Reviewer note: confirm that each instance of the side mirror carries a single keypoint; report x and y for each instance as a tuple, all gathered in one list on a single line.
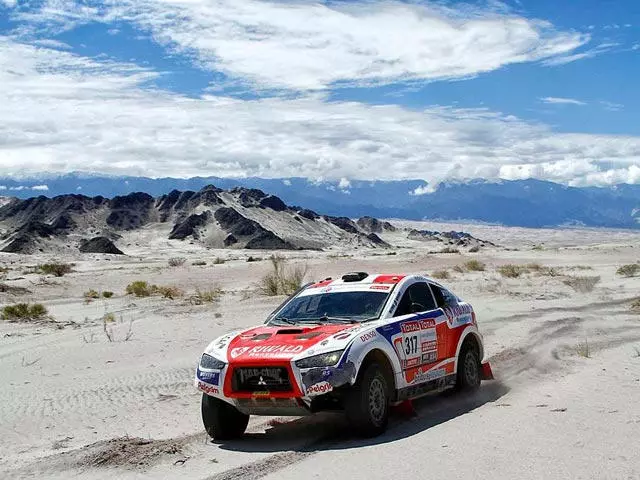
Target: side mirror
[(417, 307)]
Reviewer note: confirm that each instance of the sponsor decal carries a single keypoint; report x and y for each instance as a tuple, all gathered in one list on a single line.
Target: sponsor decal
[(266, 350), (319, 388), (208, 389), (429, 357), (430, 375), (261, 394), (236, 352), (379, 287), (261, 373), (457, 311), (324, 343), (209, 377), (368, 336), (342, 335), (417, 325)]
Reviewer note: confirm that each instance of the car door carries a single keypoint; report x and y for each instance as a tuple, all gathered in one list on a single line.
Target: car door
[(458, 315), (417, 344)]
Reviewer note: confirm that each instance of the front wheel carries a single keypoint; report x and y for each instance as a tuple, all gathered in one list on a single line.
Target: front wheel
[(221, 420), (468, 375), (367, 402)]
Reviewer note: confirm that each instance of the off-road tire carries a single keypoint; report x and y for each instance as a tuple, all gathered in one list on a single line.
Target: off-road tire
[(221, 420), (468, 375), (367, 402)]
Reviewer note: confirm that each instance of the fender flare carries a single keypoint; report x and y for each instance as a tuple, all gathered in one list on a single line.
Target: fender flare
[(470, 330), (358, 353)]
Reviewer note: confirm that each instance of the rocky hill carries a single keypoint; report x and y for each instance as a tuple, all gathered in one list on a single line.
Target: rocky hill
[(216, 218)]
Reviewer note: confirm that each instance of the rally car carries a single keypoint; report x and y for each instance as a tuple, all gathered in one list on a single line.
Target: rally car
[(361, 343)]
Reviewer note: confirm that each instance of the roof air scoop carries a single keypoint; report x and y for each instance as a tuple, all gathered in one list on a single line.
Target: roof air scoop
[(354, 276)]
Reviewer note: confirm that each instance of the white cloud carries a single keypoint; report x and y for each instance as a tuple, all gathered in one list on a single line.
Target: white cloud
[(3, 187), (562, 101), (287, 182), (344, 184), (60, 112), (42, 188), (569, 58), (302, 45), (8, 3), (422, 190), (611, 106)]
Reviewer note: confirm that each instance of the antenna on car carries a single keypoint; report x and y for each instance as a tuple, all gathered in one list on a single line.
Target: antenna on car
[(354, 276)]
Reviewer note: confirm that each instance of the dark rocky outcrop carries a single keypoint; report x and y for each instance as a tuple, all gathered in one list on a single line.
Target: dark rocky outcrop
[(189, 226), (376, 240), (267, 240), (231, 221), (99, 245), (373, 225), (344, 223), (308, 214), (274, 203), (230, 240)]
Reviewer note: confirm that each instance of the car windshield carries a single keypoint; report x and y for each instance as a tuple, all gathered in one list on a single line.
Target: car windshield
[(333, 306)]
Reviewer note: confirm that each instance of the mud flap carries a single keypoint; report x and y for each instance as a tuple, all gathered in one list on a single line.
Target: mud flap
[(486, 373)]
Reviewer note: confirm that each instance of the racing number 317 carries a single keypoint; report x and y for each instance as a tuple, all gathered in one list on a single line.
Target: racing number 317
[(411, 345)]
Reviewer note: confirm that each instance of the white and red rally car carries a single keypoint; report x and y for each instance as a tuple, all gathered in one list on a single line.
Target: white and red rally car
[(360, 344)]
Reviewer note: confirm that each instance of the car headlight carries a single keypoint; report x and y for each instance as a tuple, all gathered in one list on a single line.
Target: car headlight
[(322, 360), (207, 361)]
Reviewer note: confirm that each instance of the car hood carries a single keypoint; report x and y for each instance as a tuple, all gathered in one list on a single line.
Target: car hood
[(283, 343)]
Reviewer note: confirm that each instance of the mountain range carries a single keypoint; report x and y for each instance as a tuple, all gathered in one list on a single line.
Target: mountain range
[(526, 203)]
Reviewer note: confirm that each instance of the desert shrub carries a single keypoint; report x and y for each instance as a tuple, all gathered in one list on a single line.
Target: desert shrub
[(253, 259), (538, 247), (583, 350), (475, 266), (283, 278), (199, 263), (24, 311), (474, 249), (107, 294), (630, 270), (449, 250), (458, 269), (209, 295), (176, 261), (635, 305), (57, 269), (441, 274), (582, 284), (167, 291), (109, 318), (218, 261), (511, 271), (139, 288), (91, 294)]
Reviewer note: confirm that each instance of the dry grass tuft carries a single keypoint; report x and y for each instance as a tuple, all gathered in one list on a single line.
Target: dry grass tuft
[(283, 278), (475, 266), (582, 284), (635, 305), (210, 295), (441, 275), (176, 261), (511, 271), (24, 311), (56, 269), (139, 288), (219, 261), (199, 263), (583, 350), (630, 270), (449, 250)]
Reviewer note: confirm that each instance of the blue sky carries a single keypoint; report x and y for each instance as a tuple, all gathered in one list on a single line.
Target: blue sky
[(335, 90)]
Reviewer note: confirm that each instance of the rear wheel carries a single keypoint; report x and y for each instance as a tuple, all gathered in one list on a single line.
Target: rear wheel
[(468, 374), (367, 402), (221, 420)]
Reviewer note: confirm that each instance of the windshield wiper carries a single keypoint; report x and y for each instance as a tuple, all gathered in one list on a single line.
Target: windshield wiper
[(284, 320), (326, 318)]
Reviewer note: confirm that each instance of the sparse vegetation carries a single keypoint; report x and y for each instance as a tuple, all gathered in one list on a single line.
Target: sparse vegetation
[(167, 291), (635, 305), (24, 311), (511, 270), (90, 295), (253, 259), (199, 263), (583, 350), (441, 274), (449, 250), (582, 284), (56, 269), (219, 261), (475, 266), (458, 269), (630, 270), (139, 288), (107, 294), (538, 247), (176, 261), (283, 279), (474, 249), (108, 321), (210, 295)]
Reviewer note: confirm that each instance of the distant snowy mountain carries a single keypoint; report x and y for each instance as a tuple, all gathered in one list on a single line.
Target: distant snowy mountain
[(529, 203)]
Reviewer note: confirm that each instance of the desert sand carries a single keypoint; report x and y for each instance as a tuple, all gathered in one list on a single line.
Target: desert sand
[(565, 402)]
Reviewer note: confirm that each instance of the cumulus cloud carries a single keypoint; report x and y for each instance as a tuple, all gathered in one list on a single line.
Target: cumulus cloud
[(60, 112), (562, 101), (304, 45)]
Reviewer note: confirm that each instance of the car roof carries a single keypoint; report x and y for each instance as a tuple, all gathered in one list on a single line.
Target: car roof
[(369, 281)]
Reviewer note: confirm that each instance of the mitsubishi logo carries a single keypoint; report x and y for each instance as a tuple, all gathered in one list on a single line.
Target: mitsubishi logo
[(261, 381)]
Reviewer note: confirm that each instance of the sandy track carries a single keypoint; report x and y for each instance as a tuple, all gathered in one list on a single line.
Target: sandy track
[(77, 406)]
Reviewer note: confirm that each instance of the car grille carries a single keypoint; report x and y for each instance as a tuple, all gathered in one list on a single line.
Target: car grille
[(261, 379)]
